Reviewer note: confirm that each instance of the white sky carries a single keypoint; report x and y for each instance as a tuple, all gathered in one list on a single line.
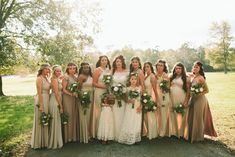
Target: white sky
[(163, 23)]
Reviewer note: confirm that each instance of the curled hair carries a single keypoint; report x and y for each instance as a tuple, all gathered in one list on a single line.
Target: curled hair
[(42, 67), (164, 63), (81, 68), (131, 67), (99, 62), (71, 64), (201, 71), (114, 66), (183, 75), (151, 67)]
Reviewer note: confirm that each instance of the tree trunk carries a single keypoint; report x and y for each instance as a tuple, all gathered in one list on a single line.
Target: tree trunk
[(1, 92)]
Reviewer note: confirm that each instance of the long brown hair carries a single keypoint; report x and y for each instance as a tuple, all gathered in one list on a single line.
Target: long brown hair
[(114, 63), (98, 62)]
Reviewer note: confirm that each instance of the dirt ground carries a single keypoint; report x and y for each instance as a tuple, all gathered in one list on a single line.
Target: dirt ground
[(161, 147)]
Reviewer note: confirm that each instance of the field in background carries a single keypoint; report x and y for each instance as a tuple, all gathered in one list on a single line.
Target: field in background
[(221, 99)]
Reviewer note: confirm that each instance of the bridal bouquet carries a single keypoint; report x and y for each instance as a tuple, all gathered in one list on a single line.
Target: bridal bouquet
[(148, 103), (196, 89), (133, 94), (85, 101), (45, 118), (179, 108), (118, 91), (64, 118)]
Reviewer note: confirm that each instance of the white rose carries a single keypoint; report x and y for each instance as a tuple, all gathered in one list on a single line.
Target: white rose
[(85, 93), (115, 89), (201, 89), (119, 85), (108, 81), (145, 94), (65, 123), (46, 124), (45, 117), (145, 101), (180, 105), (108, 77), (197, 90), (74, 85), (154, 107), (161, 84), (192, 89)]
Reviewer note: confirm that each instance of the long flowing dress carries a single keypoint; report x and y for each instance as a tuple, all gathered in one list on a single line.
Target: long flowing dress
[(118, 111), (150, 118), (200, 118), (96, 107), (164, 111), (85, 113), (71, 129), (40, 132), (55, 130), (131, 126), (106, 124), (179, 122)]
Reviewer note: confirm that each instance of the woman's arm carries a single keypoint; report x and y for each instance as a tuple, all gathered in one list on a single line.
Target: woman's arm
[(141, 79), (39, 92), (154, 87), (55, 88), (96, 76)]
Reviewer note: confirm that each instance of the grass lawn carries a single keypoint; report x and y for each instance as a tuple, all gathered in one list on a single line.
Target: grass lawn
[(16, 112)]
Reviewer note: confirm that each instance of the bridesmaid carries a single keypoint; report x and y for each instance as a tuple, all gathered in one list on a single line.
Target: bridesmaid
[(150, 118), (85, 79), (40, 132), (164, 99), (120, 75), (71, 130), (179, 93), (200, 118), (102, 67), (135, 67), (55, 108)]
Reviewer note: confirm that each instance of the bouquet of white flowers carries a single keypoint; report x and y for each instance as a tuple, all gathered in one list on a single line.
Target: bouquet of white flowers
[(133, 94), (118, 91), (179, 108), (196, 89), (148, 103), (45, 118), (74, 87), (85, 101)]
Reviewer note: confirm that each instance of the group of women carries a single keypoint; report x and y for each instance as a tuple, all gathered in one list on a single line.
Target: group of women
[(124, 121)]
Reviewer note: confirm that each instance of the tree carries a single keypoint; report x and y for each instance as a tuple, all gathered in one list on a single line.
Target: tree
[(29, 23), (221, 35)]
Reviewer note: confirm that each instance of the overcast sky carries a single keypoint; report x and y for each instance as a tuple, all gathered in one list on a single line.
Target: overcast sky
[(163, 23)]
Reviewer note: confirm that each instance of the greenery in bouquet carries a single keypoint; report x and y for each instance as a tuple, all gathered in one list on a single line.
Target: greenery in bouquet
[(165, 86), (85, 101), (179, 108), (196, 89), (148, 103), (45, 118), (64, 118), (133, 94), (74, 87), (118, 91)]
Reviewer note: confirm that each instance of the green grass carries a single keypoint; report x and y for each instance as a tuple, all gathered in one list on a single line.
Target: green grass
[(16, 116)]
